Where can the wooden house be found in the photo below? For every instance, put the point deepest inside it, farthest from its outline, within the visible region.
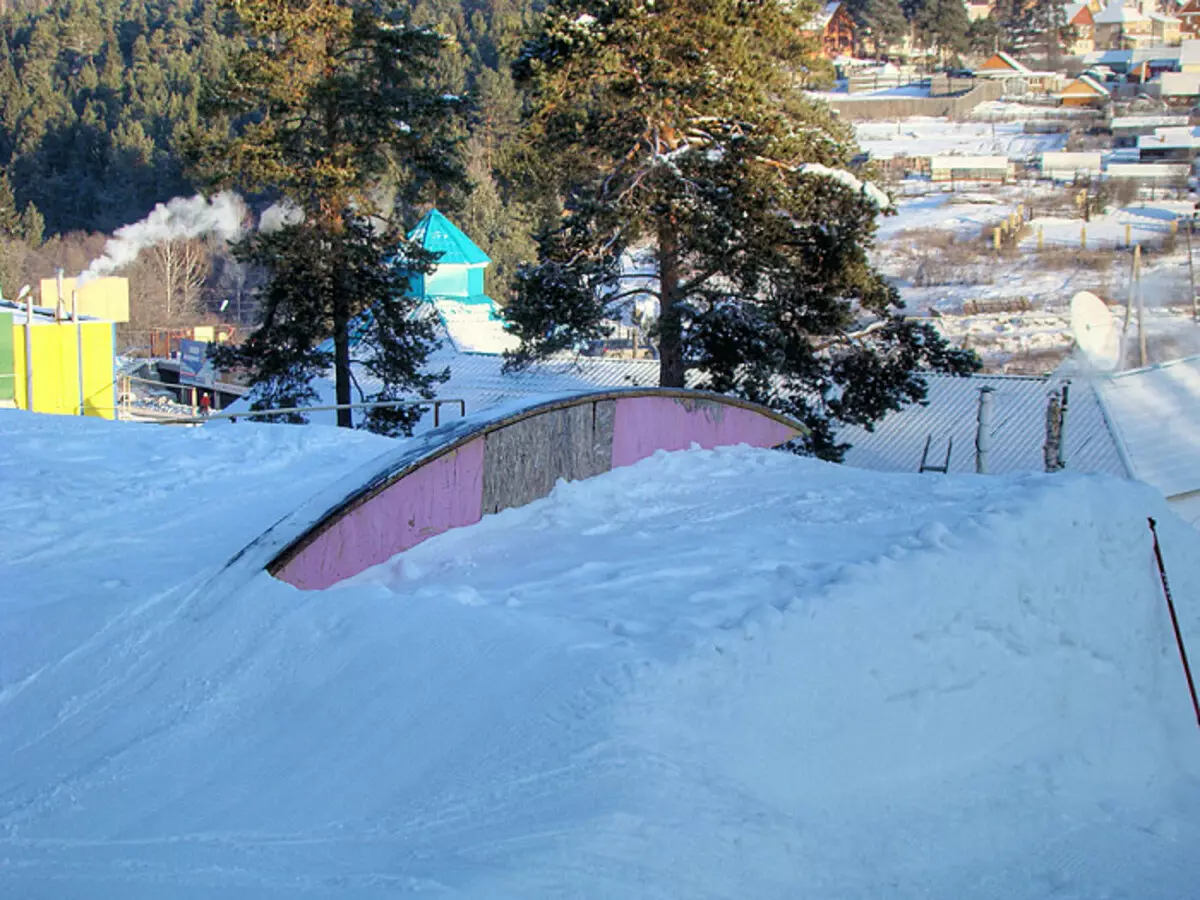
(834, 28)
(1189, 19)
(1084, 91)
(1082, 23)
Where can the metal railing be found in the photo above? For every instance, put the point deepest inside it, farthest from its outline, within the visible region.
(436, 405)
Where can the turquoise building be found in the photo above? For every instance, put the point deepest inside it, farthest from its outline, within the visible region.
(460, 265)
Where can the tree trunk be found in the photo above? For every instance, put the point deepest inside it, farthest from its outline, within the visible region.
(341, 356)
(671, 367)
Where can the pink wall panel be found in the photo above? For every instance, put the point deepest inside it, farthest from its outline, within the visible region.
(646, 424)
(436, 497)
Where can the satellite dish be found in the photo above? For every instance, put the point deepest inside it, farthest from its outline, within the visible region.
(1095, 331)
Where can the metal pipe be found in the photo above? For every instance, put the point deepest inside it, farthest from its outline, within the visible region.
(1062, 426)
(983, 431)
(78, 347)
(58, 305)
(29, 351)
(263, 413)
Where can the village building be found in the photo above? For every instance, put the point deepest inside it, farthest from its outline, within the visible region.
(1018, 79)
(1172, 144)
(979, 9)
(1179, 88)
(1071, 166)
(1127, 129)
(1084, 91)
(1122, 27)
(1189, 18)
(834, 28)
(1164, 28)
(1082, 23)
(1189, 56)
(970, 168)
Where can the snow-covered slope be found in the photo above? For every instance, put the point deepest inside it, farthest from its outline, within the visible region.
(726, 674)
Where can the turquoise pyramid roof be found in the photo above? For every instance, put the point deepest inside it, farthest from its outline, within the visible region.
(438, 234)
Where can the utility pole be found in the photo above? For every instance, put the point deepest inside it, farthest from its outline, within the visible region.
(1141, 298)
(1192, 270)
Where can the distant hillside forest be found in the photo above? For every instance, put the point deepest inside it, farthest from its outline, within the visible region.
(94, 95)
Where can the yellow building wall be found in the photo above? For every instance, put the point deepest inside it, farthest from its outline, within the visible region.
(56, 368)
(101, 298)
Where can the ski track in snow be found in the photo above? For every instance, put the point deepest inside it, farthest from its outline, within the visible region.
(714, 674)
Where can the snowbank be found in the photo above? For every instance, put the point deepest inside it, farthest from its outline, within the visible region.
(710, 675)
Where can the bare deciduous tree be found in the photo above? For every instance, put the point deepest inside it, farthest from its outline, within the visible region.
(181, 269)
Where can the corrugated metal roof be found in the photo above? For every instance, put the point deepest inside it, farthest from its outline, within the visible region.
(478, 377)
(1018, 432)
(438, 234)
(1155, 413)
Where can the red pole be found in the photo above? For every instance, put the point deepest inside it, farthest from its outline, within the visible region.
(1187, 669)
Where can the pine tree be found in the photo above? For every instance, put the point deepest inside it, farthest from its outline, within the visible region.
(881, 23)
(333, 98)
(942, 24)
(10, 219)
(289, 350)
(33, 226)
(758, 231)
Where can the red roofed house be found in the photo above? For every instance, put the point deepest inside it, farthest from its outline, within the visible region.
(834, 27)
(1083, 23)
(1189, 17)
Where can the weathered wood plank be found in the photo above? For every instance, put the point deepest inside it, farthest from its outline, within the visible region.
(523, 461)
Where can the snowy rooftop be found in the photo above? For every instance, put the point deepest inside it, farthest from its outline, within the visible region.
(1118, 13)
(1156, 414)
(1170, 138)
(474, 325)
(1189, 53)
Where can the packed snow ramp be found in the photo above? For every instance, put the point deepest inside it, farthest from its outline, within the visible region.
(728, 674)
(475, 467)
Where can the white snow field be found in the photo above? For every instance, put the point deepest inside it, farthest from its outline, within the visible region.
(715, 674)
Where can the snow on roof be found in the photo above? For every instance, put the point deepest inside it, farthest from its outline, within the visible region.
(1005, 62)
(819, 21)
(1074, 160)
(1122, 123)
(1117, 13)
(1180, 84)
(1018, 433)
(1174, 138)
(474, 325)
(438, 234)
(1088, 82)
(1165, 18)
(969, 162)
(1189, 53)
(1155, 413)
(42, 315)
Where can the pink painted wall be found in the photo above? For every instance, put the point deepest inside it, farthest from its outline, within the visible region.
(438, 496)
(646, 424)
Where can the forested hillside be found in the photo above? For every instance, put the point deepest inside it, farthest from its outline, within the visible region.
(96, 94)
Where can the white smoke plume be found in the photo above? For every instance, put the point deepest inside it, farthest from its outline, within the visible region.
(182, 218)
(280, 215)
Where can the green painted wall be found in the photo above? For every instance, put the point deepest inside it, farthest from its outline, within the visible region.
(8, 381)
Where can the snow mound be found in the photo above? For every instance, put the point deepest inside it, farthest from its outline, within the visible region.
(714, 674)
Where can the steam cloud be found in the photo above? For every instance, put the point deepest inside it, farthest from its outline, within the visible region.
(280, 215)
(182, 218)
